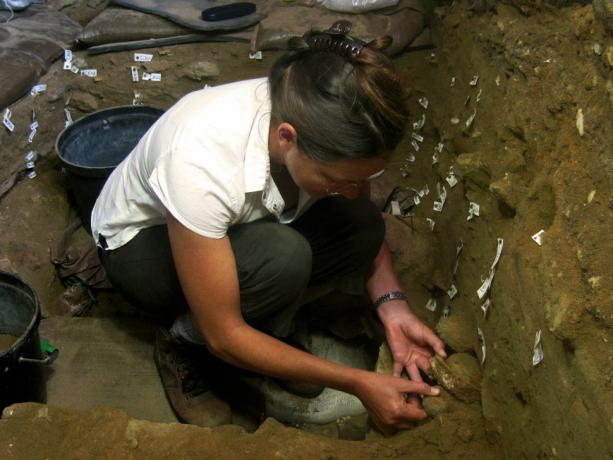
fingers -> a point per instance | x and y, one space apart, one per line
409 386
435 343
398 366
413 371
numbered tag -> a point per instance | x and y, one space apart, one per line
423 101
418 125
6 120
89 73
67 55
473 210
38 89
74 69
67 65
474 81
143 57
431 304
417 137
451 180
134 71
257 56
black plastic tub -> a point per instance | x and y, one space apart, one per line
93 146
22 366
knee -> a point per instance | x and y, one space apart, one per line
292 259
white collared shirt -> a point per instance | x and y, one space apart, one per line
205 161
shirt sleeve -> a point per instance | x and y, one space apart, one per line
199 194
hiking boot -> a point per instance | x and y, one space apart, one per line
183 377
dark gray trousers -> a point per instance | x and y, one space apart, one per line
333 244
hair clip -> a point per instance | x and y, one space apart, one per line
336 40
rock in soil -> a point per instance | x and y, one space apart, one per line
460 375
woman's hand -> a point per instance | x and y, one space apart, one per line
387 399
411 342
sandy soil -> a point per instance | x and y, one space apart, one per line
525 159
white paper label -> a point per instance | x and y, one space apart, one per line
74 69
38 89
411 158
473 210
452 292
417 137
416 199
30 156
452 82
134 71
470 119
34 126
415 145
431 304
146 76
434 158
31 136
482 342
89 73
423 101
537 355
474 81
418 125
156 77
68 55
257 55
143 57
451 180
67 65
439 147
446 311
31 174
485 307
538 237
431 223
6 120
396 209
68 117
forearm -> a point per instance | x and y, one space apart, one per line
251 349
382 280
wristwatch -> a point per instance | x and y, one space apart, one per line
393 295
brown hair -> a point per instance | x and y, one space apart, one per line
342 102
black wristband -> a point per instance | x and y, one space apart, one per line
393 295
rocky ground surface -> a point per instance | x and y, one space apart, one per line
519 103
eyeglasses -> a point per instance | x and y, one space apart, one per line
340 187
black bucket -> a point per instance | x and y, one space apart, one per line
92 147
22 366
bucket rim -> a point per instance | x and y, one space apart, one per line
97 113
36 317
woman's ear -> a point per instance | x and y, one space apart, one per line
287 136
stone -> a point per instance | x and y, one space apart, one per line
473 170
84 102
457 332
436 405
412 245
202 70
508 194
459 374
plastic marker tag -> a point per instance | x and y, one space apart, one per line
415 145
485 286
67 65
38 89
423 101
74 69
89 73
442 197
68 55
6 120
538 237
68 118
431 305
136 100
156 77
143 57
485 307
474 81
452 292
416 199
257 55
537 355
134 71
